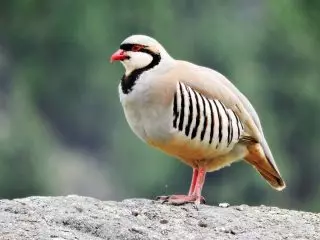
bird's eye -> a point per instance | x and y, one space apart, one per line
136 48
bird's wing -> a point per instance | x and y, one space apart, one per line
215 86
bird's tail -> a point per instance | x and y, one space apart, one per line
262 160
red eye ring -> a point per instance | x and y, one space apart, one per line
136 48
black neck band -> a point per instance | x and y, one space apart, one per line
127 82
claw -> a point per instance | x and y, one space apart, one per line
163 199
178 200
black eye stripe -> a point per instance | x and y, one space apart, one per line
129 46
126 47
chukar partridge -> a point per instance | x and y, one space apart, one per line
190 112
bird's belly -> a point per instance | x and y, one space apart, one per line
201 155
188 150
149 122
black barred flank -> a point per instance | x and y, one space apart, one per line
175 111
195 129
191 113
190 117
220 122
229 127
205 119
238 123
181 108
212 121
231 132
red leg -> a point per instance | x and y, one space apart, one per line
193 181
197 182
199 185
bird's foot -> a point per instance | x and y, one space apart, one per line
182 199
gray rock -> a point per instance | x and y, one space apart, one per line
75 217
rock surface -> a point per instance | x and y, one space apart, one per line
75 217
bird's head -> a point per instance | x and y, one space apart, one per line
140 52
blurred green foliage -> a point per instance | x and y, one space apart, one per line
62 129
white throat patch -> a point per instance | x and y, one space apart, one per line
137 60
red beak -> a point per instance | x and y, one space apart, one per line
119 55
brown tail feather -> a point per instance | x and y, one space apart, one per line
257 158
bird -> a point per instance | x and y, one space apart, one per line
192 113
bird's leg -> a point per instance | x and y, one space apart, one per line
191 189
194 195
193 181
199 185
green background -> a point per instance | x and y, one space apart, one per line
62 128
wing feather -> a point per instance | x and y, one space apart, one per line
215 86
